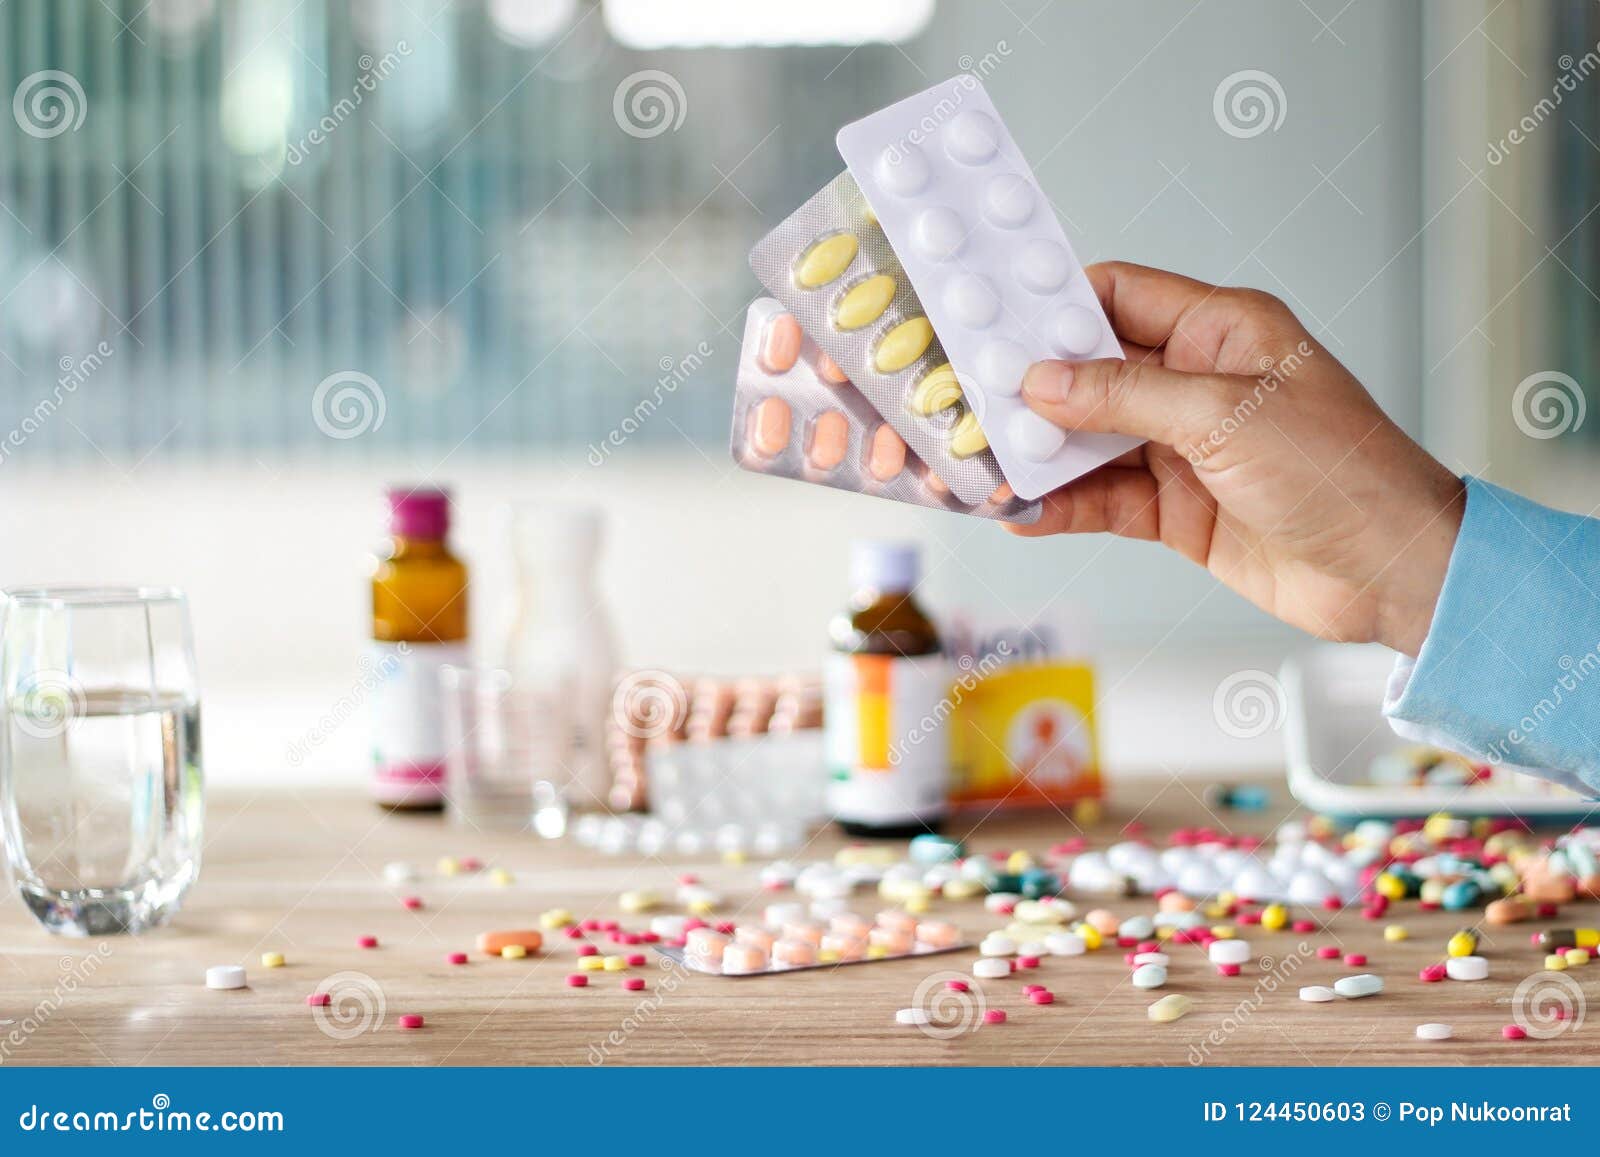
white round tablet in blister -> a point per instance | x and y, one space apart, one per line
1034 438
1077 330
971 137
903 170
938 233
1001 365
1007 201
1043 266
971 300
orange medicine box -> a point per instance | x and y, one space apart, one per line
1024 736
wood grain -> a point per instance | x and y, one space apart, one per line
302 874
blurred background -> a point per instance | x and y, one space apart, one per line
258 259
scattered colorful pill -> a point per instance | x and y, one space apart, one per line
409 1020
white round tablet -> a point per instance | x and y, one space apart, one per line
902 169
1149 976
1001 365
913 1016
1077 330
1435 1031
1318 994
1042 266
1467 968
1008 201
991 968
1065 944
938 233
225 976
1034 438
971 137
1229 951
971 300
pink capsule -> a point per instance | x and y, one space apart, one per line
409 1020
588 950
1303 926
635 959
456 958
1332 903
577 980
994 1016
1329 952
412 902
633 983
1355 959
366 941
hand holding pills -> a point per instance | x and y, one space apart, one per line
1266 461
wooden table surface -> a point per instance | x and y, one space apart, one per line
302 874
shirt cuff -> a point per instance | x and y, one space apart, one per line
1514 638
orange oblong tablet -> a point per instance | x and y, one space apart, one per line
887 456
780 344
830 438
769 427
491 943
828 370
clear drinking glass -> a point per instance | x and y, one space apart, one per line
508 758
100 783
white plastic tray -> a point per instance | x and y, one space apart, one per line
1335 728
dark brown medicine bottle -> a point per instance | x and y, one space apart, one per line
886 685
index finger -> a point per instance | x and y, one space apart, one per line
1144 304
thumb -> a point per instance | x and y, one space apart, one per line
1139 397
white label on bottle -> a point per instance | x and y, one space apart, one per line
408 747
887 736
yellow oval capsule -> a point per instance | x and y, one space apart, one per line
1274 917
903 345
967 437
826 260
938 390
1463 943
865 302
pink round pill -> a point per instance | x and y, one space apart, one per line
1433 973
456 958
319 999
957 986
994 1016
574 933
588 950
1043 996
1332 903
409 1020
1227 970
590 925
1027 962
1355 959
577 980
1329 952
1303 926
609 925
366 941
470 864
1514 1032
636 959
633 983
412 902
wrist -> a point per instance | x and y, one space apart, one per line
1418 560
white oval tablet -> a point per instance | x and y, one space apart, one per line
225 976
1008 201
1034 438
903 170
1229 951
938 233
971 300
1042 266
1318 994
991 967
1435 1031
1149 976
971 137
1077 330
1001 365
1467 968
913 1016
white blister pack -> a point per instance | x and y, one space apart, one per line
991 265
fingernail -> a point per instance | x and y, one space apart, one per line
1047 381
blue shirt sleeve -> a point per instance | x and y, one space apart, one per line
1510 670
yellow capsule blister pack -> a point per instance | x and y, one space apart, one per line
796 415
831 266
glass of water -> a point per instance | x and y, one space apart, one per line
100 783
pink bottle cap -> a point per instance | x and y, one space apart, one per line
422 513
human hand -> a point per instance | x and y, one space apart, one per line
1266 461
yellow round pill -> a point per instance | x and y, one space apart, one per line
826 260
1577 956
1223 931
513 952
555 918
502 878
864 302
448 866
272 960
1092 939
590 963
938 390
1461 944
733 856
1555 962
1274 917
1395 933
967 437
903 345
614 963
